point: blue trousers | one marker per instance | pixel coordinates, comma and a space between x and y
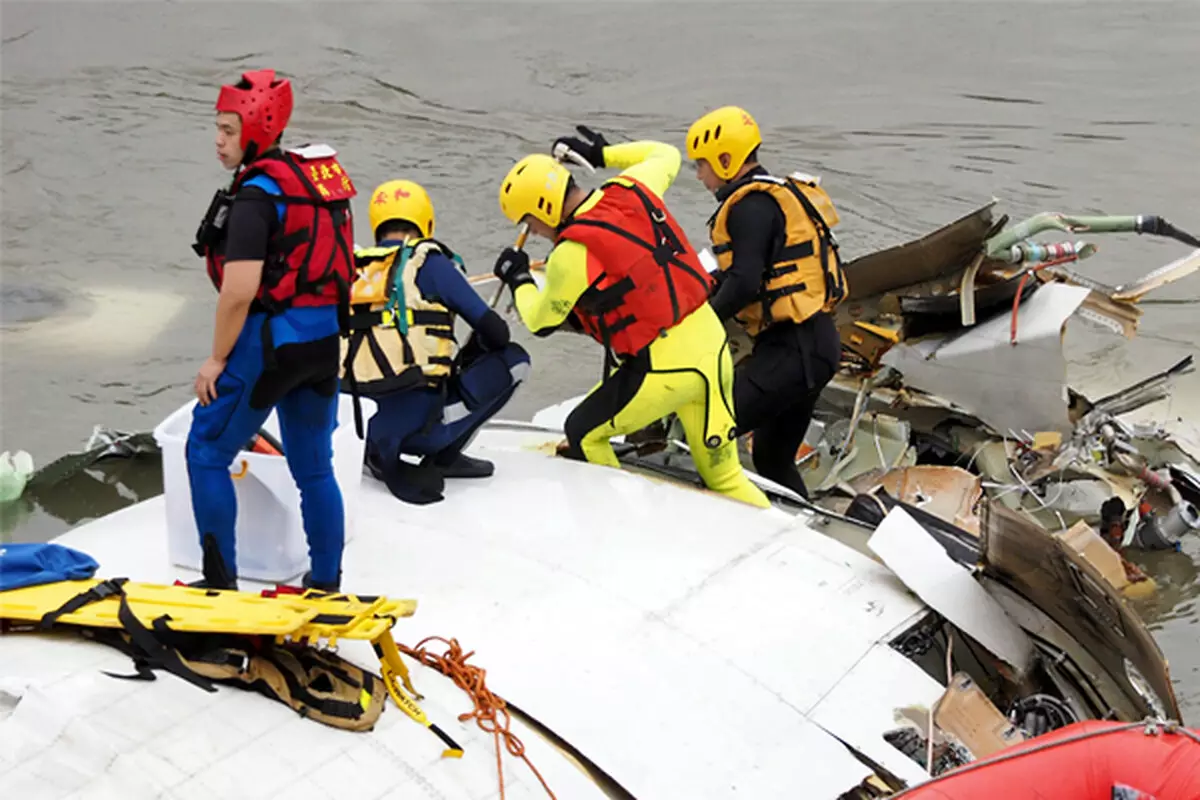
303, 390
421, 422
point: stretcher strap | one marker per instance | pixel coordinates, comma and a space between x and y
101, 590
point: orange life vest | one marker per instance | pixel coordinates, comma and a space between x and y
805, 275
643, 275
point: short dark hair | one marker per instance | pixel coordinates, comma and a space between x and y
753, 157
396, 229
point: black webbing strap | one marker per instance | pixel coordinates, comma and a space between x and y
101, 590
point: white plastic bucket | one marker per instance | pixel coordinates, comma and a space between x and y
271, 545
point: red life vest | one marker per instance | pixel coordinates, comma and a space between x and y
643, 276
310, 260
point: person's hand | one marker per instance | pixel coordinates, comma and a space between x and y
206, 380
512, 267
591, 146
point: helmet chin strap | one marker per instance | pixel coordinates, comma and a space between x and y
250, 153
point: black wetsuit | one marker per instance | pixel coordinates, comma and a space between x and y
776, 387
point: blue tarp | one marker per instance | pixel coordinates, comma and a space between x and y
24, 565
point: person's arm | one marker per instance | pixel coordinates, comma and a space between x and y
439, 278
544, 309
252, 218
653, 164
754, 226
238, 289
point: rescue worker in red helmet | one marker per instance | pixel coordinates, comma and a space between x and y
779, 276
622, 271
278, 244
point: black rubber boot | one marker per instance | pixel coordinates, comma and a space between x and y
216, 573
307, 582
417, 484
373, 463
462, 465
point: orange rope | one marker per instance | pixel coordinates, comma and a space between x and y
491, 711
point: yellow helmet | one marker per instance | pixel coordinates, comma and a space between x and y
728, 130
536, 186
401, 200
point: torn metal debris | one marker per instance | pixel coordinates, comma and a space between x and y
953, 390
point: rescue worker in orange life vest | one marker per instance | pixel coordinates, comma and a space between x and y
779, 276
622, 271
278, 245
403, 354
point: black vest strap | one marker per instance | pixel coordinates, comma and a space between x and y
834, 289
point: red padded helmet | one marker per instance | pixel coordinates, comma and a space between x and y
264, 104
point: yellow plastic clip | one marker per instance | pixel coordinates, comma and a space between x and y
389, 655
389, 319
390, 666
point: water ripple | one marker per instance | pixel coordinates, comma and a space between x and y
18, 37
989, 98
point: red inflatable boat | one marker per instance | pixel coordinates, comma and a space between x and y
1084, 761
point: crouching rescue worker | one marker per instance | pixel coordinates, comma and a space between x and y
779, 276
623, 272
278, 245
401, 351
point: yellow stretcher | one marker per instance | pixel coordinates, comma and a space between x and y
310, 618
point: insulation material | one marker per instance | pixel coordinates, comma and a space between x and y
879, 443
1085, 541
949, 493
966, 713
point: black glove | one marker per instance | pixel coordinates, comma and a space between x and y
512, 267
591, 147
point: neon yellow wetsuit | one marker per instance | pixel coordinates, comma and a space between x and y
686, 370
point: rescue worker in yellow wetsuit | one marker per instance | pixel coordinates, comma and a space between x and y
779, 276
622, 271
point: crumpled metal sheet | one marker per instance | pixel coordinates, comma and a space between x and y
1008, 387
945, 251
1180, 268
1021, 555
103, 443
924, 567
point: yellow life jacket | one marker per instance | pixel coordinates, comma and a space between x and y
806, 274
398, 339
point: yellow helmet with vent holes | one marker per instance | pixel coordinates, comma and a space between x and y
537, 187
727, 131
401, 200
